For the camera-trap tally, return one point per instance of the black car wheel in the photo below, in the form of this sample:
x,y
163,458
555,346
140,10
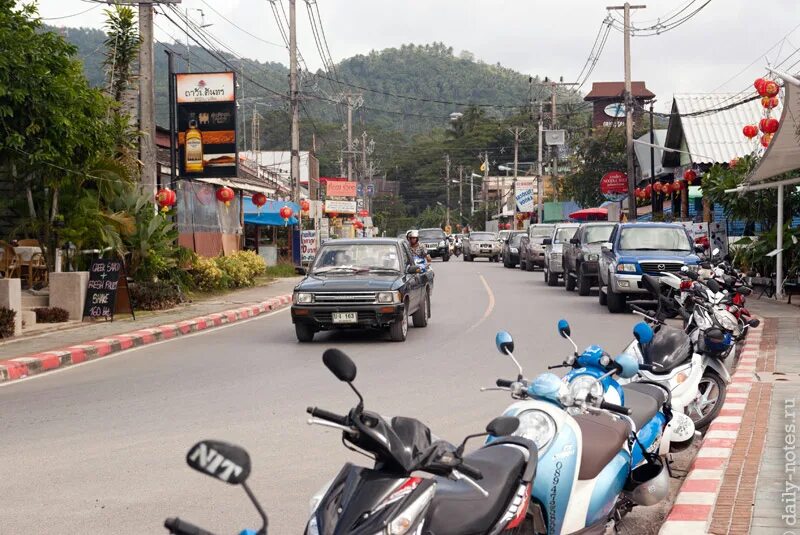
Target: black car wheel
x,y
522,265
399,329
552,278
305,333
614,301
584,283
446,258
569,282
601,296
421,316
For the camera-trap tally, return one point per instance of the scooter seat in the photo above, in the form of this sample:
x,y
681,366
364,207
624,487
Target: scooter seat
x,y
459,509
602,437
643,405
656,392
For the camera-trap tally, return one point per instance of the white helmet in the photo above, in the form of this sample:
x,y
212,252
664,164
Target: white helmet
x,y
412,234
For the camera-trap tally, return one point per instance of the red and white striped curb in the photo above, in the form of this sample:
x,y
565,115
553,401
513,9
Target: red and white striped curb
x,y
21,367
694,505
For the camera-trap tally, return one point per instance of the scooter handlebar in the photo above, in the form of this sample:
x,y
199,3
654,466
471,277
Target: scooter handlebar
x,y
504,383
615,408
470,471
176,526
326,415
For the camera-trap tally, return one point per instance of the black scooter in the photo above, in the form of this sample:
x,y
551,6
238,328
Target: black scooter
x,y
483,492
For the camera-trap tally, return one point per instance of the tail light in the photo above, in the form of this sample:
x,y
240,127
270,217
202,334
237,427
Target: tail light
x,y
738,299
519,507
686,285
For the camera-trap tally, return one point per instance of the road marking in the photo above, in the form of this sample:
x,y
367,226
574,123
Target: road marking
x,y
7,384
489,306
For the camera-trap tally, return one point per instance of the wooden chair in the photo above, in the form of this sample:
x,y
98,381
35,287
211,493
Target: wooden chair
x,y
37,270
10,263
29,243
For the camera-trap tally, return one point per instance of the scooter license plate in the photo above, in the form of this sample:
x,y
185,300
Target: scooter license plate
x,y
345,317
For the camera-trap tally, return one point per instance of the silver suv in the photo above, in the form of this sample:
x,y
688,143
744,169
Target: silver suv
x,y
481,244
554,251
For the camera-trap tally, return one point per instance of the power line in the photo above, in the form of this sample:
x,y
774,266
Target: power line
x,y
660,28
223,17
73,15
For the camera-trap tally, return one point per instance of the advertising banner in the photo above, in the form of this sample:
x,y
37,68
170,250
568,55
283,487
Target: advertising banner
x,y
340,207
523,192
340,189
308,245
206,119
614,186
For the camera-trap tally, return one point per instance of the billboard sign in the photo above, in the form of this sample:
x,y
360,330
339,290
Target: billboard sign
x,y
523,192
614,186
308,244
340,207
340,189
206,119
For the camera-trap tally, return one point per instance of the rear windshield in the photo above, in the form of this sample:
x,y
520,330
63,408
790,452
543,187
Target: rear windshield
x,y
541,232
564,234
482,236
431,234
515,239
598,233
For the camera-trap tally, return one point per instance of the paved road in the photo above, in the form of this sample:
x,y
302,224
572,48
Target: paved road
x,y
100,448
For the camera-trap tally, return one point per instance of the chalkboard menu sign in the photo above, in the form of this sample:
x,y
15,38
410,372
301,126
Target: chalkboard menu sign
x,y
105,279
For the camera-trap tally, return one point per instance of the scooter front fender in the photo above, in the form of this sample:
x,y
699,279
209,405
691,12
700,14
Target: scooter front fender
x,y
718,367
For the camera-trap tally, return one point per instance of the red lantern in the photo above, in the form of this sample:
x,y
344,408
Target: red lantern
x,y
750,131
658,187
305,205
286,213
770,102
333,215
259,199
637,192
690,175
226,195
358,224
760,84
771,89
765,139
363,213
734,162
648,190
165,198
769,125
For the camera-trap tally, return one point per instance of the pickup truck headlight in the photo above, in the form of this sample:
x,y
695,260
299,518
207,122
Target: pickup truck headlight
x,y
389,297
591,257
514,250
693,267
441,243
626,268
303,298
555,256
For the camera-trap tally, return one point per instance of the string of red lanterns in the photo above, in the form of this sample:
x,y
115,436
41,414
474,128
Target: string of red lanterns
x,y
768,90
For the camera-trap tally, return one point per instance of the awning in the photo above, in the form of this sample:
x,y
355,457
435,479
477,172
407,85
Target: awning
x,y
590,214
783,152
269,213
643,153
238,185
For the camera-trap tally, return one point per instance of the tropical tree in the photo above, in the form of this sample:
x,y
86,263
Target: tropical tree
x,y
595,155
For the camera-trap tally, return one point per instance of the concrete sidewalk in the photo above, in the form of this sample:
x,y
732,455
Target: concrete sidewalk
x,y
28,355
743,479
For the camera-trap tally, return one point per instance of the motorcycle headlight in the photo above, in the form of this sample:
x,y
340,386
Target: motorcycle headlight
x,y
592,257
582,386
514,250
728,321
537,426
702,320
389,297
303,298
406,520
441,243
693,267
313,528
626,268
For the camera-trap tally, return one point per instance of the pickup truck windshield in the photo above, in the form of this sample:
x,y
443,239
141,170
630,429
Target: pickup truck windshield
x,y
564,234
515,239
356,257
482,236
654,239
541,232
598,234
431,235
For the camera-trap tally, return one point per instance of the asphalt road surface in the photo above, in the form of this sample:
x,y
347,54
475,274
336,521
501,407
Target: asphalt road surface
x,y
100,448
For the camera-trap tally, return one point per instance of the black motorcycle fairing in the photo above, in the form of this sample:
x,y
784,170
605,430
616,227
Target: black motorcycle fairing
x,y
459,509
394,452
352,504
669,348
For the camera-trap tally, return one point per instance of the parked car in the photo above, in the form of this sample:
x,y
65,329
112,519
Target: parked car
x,y
582,256
638,248
481,244
511,249
362,283
554,251
435,242
531,251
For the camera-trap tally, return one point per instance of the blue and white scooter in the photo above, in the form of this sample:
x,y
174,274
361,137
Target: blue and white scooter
x,y
585,480
672,430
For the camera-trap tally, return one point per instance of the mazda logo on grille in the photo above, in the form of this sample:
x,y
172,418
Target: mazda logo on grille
x,y
661,267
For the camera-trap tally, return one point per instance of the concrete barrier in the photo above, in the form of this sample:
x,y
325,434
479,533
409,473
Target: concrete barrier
x,y
11,297
68,291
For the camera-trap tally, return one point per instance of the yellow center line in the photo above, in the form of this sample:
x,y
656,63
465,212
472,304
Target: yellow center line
x,y
489,305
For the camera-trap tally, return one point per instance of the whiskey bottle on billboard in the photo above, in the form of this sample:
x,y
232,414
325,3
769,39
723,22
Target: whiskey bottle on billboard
x,y
194,149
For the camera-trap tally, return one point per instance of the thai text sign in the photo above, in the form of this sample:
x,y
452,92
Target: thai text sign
x,y
614,186
340,207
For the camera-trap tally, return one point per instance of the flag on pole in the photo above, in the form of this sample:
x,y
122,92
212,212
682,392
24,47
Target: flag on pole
x,y
483,166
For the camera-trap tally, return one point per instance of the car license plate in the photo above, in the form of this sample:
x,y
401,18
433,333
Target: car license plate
x,y
345,317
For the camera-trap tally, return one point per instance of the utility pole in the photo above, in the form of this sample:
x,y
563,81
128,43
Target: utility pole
x,y
294,100
460,197
349,138
631,196
447,179
173,139
485,186
540,180
626,8
147,97
516,131
471,193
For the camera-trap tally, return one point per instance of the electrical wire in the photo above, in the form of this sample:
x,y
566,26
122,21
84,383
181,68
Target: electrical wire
x,y
223,17
73,15
660,28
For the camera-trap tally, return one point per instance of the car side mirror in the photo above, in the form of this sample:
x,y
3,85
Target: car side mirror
x,y
575,241
220,460
547,241
300,270
413,270
606,245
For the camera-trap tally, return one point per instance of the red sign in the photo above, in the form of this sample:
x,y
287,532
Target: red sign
x,y
325,179
614,182
341,189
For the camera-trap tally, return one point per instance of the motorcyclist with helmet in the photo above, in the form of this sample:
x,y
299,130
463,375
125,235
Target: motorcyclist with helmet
x,y
417,249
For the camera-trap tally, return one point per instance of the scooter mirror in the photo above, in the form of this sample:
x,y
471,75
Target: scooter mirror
x,y
564,329
340,365
712,285
227,462
628,365
643,333
651,284
715,252
504,342
744,290
502,426
755,322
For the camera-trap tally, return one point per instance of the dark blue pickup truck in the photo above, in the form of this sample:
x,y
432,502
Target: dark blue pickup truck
x,y
638,248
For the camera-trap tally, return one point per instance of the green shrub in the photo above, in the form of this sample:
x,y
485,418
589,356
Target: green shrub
x,y
252,261
156,295
51,315
281,270
207,276
7,322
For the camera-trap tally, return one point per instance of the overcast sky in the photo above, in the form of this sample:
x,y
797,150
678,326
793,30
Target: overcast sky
x,y
723,48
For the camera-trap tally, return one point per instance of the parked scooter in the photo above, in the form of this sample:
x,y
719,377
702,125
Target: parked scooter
x,y
585,480
483,492
227,463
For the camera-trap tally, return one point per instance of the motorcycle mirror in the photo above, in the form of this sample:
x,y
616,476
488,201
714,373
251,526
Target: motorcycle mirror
x,y
651,284
744,290
547,241
754,323
503,426
563,328
692,274
712,285
628,366
643,333
504,342
340,365
227,462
